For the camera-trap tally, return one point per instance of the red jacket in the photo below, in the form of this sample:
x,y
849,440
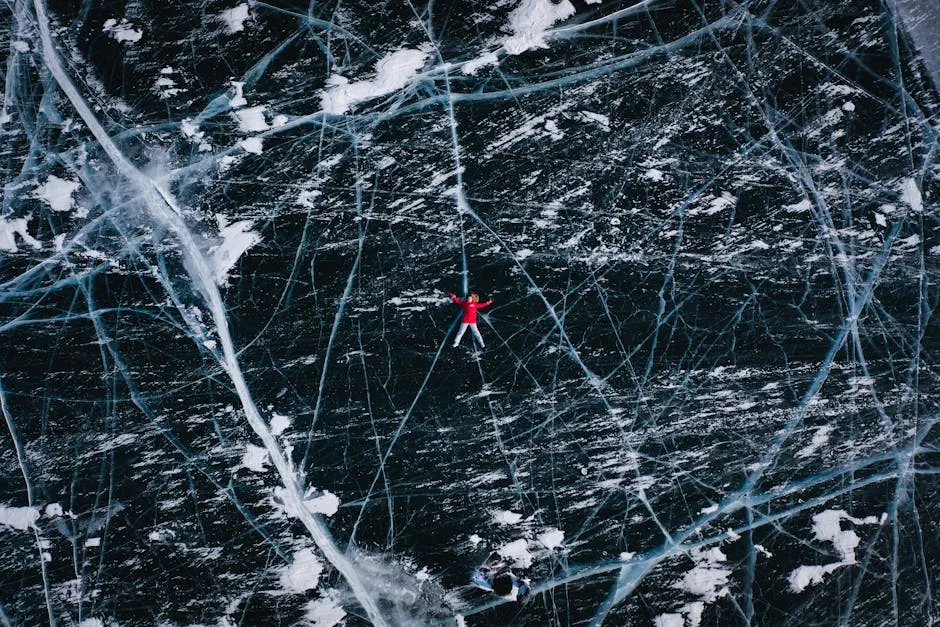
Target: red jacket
x,y
469,309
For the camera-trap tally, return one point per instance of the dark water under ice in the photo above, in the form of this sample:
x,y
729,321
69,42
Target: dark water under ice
x,y
709,393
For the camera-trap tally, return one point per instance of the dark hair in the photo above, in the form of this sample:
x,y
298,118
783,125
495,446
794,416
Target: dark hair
x,y
502,584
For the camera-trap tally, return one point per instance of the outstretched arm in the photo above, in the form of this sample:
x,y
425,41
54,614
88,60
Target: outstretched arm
x,y
453,297
486,304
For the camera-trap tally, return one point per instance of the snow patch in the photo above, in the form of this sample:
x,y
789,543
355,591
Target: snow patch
x,y
819,439
234,18
279,423
57,193
9,229
551,538
827,528
303,573
518,552
504,517
122,31
803,205
325,611
315,502
392,73
473,66
252,120
530,22
910,194
669,620
19,518
252,145
236,239
255,458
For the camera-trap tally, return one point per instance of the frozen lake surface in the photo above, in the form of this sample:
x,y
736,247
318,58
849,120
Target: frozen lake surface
x,y
711,382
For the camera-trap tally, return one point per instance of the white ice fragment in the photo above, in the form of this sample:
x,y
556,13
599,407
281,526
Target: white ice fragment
x,y
19,518
803,205
669,620
820,438
234,18
530,22
303,573
910,194
314,501
20,46
236,239
524,253
827,528
705,581
848,106
324,612
504,517
732,534
805,576
252,145
721,203
760,549
53,510
91,622
252,120
238,100
760,244
326,504
392,72
551,538
255,458
653,175
122,31
598,118
473,66
57,193
518,552
711,509
162,535
188,128
92,542
279,423
475,539
626,556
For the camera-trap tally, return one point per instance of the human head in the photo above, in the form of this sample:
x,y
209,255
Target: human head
x,y
502,584
473,298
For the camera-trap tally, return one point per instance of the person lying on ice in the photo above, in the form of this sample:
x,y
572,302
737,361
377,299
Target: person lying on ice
x,y
469,317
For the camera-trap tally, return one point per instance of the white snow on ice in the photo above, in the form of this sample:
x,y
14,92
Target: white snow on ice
x,y
827,528
10,228
279,423
303,573
19,518
518,552
392,73
236,239
57,193
551,538
504,517
325,611
122,31
234,18
255,458
530,22
252,120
